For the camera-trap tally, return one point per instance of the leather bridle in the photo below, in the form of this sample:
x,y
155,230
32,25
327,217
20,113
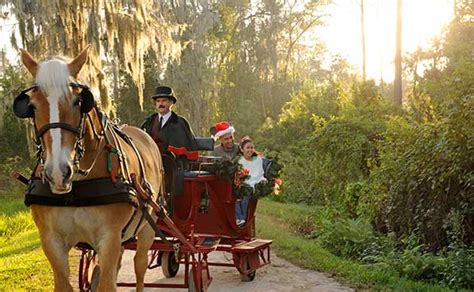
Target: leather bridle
x,y
24,109
77,130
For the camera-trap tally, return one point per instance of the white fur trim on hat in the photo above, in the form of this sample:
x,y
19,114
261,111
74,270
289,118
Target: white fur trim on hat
x,y
229,130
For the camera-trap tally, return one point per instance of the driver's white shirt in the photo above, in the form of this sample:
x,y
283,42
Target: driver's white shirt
x,y
166,117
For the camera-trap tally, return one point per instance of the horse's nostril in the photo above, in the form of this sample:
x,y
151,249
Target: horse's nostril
x,y
68,172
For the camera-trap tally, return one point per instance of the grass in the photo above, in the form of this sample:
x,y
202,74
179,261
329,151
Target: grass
x,y
274,221
23,265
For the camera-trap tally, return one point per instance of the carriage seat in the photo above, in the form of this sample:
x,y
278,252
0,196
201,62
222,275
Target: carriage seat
x,y
202,166
204,143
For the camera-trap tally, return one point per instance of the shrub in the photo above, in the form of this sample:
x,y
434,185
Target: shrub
x,y
426,171
348,237
454,267
412,263
458,268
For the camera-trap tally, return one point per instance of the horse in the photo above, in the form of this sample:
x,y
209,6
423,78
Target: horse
x,y
76,146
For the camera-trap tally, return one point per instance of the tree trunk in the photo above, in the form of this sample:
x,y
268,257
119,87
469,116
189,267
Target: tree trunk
x,y
397,92
362,27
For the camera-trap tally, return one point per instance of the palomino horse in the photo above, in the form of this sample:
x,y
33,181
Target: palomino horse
x,y
75,145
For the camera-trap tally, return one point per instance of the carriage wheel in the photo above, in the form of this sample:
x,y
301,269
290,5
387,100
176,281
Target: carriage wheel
x,y
247,277
191,284
87,265
95,278
169,264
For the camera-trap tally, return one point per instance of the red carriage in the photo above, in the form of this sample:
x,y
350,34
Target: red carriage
x,y
203,221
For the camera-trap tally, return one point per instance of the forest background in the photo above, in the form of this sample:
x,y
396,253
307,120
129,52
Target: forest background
x,y
393,182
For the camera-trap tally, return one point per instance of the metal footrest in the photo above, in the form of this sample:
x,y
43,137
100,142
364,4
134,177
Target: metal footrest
x,y
251,246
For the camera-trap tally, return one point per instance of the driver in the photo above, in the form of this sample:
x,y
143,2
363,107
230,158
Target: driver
x,y
173,136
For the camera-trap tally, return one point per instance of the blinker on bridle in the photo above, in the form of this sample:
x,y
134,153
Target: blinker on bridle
x,y
24,109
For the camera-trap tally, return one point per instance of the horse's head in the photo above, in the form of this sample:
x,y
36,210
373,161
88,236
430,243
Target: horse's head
x,y
57,104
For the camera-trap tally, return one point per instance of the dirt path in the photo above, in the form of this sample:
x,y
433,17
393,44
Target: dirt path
x,y
280,275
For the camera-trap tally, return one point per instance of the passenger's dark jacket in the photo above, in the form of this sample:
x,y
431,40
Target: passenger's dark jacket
x,y
176,133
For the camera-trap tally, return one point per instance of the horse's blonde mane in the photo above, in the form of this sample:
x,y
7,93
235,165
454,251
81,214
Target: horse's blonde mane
x,y
53,77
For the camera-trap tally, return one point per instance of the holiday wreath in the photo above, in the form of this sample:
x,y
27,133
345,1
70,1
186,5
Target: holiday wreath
x,y
232,171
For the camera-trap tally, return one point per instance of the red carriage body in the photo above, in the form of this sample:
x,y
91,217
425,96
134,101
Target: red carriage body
x,y
205,215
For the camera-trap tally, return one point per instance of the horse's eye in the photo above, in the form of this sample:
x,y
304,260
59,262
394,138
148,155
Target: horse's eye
x,y
77,101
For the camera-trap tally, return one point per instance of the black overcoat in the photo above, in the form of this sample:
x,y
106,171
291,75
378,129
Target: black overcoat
x,y
176,133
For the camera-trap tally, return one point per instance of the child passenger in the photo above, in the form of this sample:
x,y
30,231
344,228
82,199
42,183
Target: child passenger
x,y
254,163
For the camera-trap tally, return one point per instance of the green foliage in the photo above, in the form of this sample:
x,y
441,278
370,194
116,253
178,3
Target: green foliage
x,y
347,237
126,104
267,186
280,221
452,267
426,171
458,268
426,161
338,151
307,110
359,199
343,148
449,73
12,130
232,171
414,264
410,174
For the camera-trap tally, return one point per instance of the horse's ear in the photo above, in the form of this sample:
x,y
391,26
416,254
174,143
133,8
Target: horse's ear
x,y
76,64
29,62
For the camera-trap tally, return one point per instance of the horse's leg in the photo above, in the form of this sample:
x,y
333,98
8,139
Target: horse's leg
x,y
144,241
109,250
122,249
57,253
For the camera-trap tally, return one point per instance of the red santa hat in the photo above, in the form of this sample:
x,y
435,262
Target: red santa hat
x,y
220,129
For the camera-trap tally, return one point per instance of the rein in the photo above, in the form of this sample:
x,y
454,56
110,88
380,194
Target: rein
x,y
98,137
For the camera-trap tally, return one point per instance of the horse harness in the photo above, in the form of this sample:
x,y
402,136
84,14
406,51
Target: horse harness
x,y
92,192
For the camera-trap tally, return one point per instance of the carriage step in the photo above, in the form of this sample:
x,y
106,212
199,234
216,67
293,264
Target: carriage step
x,y
253,245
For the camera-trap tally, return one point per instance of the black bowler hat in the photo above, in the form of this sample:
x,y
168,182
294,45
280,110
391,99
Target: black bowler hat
x,y
164,91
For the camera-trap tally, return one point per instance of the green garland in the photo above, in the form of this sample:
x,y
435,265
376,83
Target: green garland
x,y
266,187
232,171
